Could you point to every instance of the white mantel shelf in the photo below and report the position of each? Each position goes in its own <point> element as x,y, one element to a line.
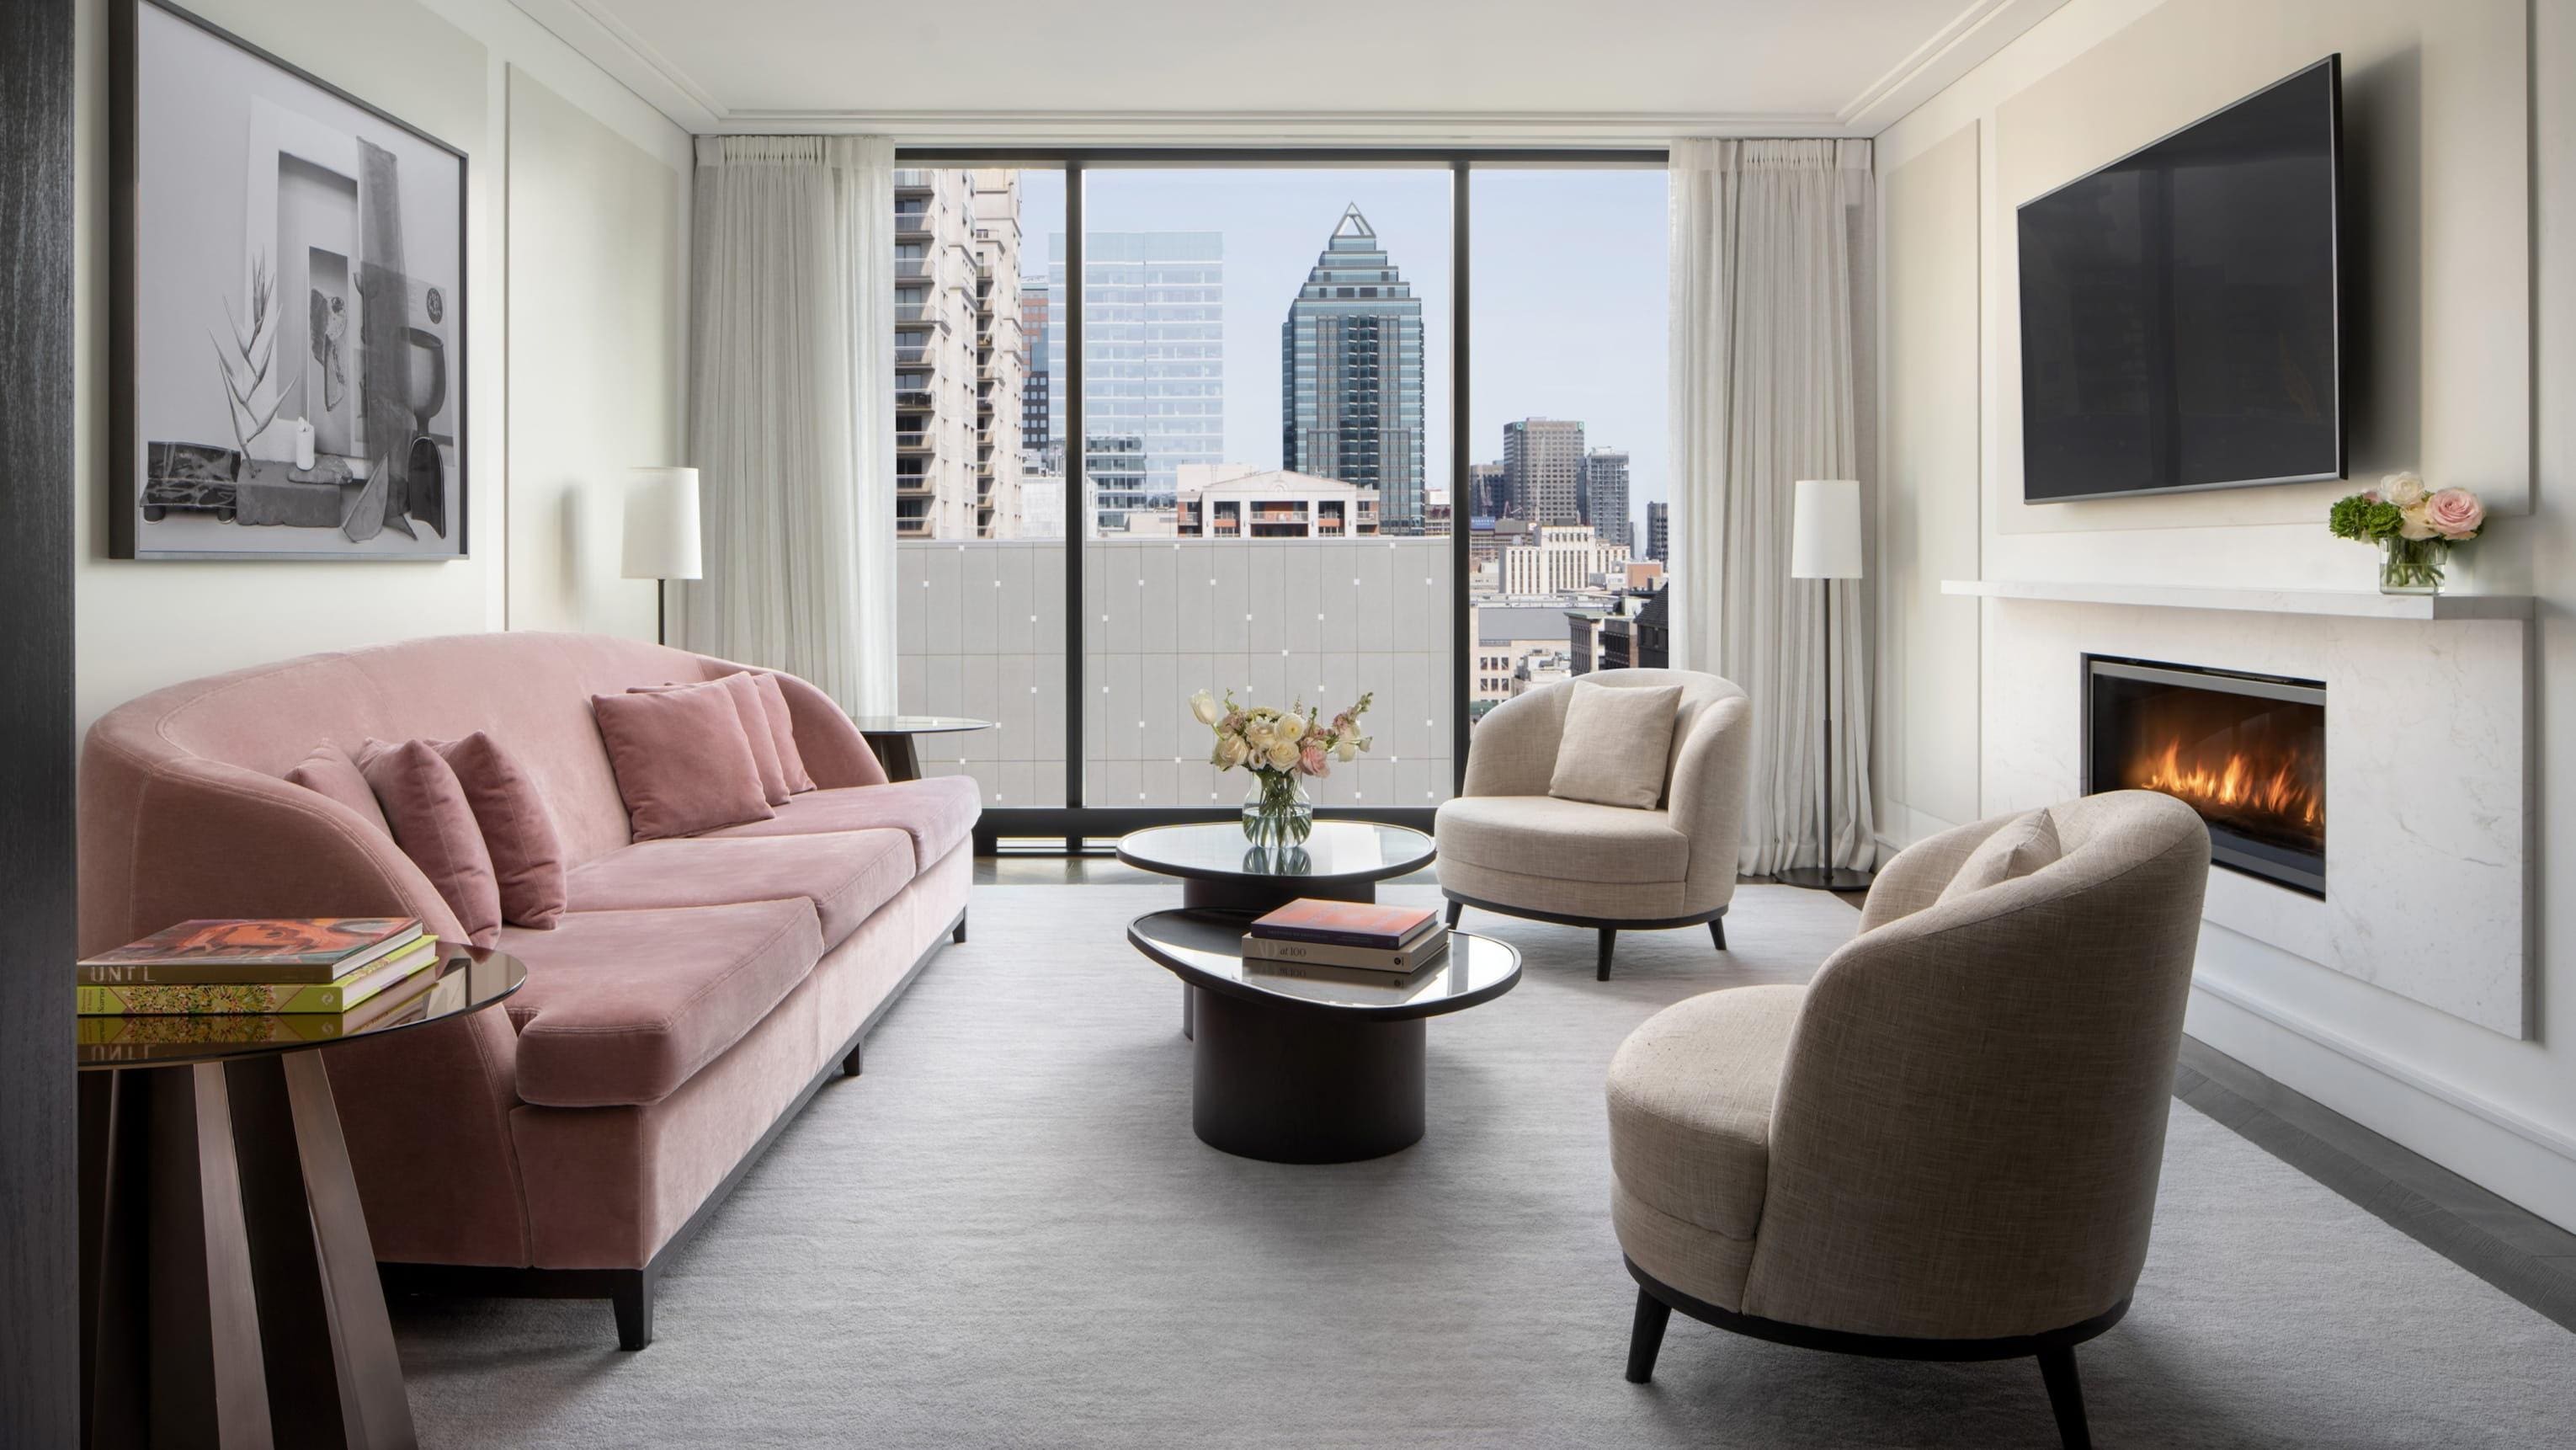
<point>2347,604</point>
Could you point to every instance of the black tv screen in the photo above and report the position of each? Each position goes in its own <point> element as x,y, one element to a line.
<point>2180,317</point>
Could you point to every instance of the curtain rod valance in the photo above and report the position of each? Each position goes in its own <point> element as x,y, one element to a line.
<point>786,150</point>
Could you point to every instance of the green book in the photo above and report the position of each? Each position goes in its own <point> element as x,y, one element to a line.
<point>142,999</point>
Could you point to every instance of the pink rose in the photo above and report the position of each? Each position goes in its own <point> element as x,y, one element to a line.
<point>2455,513</point>
<point>1311,760</point>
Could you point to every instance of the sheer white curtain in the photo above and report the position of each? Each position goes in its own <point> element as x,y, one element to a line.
<point>1770,362</point>
<point>791,411</point>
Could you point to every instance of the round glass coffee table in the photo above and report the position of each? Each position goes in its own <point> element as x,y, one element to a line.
<point>1220,869</point>
<point>1296,1064</point>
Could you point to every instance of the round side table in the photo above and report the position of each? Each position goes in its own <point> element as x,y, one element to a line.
<point>891,737</point>
<point>225,1265</point>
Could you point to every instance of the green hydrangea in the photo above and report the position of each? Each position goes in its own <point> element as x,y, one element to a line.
<point>2363,518</point>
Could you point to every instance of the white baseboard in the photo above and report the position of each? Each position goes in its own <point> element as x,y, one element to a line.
<point>2489,1144</point>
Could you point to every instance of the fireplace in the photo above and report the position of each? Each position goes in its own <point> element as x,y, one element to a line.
<point>2246,751</point>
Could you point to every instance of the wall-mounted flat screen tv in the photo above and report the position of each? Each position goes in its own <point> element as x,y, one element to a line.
<point>2181,320</point>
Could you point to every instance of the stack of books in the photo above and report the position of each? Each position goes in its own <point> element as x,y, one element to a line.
<point>267,980</point>
<point>1346,938</point>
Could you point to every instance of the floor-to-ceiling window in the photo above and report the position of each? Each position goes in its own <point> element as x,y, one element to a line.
<point>1266,352</point>
<point>980,497</point>
<point>1567,436</point>
<point>1225,441</point>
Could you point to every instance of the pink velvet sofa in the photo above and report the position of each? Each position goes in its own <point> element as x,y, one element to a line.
<point>696,993</point>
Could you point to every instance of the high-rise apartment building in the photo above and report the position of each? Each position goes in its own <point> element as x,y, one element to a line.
<point>960,362</point>
<point>1118,469</point>
<point>1037,394</point>
<point>1602,498</point>
<point>1350,375</point>
<point>1153,342</point>
<point>1543,470</point>
<point>1659,539</point>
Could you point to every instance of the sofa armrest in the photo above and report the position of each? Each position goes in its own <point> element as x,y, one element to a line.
<point>166,839</point>
<point>836,754</point>
<point>1913,879</point>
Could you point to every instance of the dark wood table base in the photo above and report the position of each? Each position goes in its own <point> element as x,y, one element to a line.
<point>228,1288</point>
<point>1291,1086</point>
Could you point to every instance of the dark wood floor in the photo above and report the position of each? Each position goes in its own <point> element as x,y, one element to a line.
<point>2509,1247</point>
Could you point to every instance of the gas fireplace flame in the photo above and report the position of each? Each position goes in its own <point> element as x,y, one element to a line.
<point>2237,785</point>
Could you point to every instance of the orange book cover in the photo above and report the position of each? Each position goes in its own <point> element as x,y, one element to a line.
<point>1345,923</point>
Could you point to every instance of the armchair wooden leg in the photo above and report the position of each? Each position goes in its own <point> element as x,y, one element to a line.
<point>1717,931</point>
<point>1646,1336</point>
<point>1609,937</point>
<point>1457,909</point>
<point>2065,1396</point>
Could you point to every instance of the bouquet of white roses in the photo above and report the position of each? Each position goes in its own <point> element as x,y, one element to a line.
<point>1273,742</point>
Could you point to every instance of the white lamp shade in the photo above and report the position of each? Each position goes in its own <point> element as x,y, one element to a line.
<point>662,524</point>
<point>1824,529</point>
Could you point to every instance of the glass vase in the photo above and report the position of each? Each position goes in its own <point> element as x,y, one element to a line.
<point>1277,811</point>
<point>2412,566</point>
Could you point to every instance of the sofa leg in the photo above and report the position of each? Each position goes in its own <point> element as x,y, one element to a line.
<point>633,1300</point>
<point>1647,1336</point>
<point>1609,938</point>
<point>850,1065</point>
<point>1457,909</point>
<point>1717,931</point>
<point>2066,1397</point>
<point>958,935</point>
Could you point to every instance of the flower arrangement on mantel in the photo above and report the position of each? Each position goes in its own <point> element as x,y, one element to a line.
<point>1279,747</point>
<point>2413,526</point>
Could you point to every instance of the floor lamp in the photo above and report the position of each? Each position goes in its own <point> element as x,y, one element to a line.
<point>662,535</point>
<point>1824,544</point>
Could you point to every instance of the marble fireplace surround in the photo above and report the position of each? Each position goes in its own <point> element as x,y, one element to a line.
<point>2428,880</point>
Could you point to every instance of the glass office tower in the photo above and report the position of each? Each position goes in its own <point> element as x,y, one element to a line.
<point>1350,362</point>
<point>1153,352</point>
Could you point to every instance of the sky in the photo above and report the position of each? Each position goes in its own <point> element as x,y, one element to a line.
<point>1568,296</point>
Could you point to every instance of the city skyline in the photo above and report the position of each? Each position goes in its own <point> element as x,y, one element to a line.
<point>1569,302</point>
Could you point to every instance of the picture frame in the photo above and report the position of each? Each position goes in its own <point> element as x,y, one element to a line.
<point>289,342</point>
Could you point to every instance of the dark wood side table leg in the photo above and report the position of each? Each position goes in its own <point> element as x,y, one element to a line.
<point>175,1347</point>
<point>896,754</point>
<point>322,1306</point>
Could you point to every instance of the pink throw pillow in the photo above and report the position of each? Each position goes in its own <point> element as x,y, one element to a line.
<point>518,831</point>
<point>782,729</point>
<point>755,727</point>
<point>435,827</point>
<point>682,760</point>
<point>329,771</point>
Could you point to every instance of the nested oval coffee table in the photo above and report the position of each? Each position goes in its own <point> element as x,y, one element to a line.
<point>1221,869</point>
<point>1310,1068</point>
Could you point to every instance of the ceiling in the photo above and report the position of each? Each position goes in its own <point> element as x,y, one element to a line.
<point>1546,72</point>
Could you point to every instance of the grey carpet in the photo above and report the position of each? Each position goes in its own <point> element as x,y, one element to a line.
<point>1006,1235</point>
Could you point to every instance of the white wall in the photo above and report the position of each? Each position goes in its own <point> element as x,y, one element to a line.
<point>598,317</point>
<point>143,625</point>
<point>2475,221</point>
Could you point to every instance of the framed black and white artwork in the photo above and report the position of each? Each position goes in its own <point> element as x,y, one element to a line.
<point>288,366</point>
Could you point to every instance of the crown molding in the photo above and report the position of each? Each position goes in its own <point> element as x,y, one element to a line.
<point>1970,37</point>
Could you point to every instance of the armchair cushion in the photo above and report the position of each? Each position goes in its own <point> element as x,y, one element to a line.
<point>2023,845</point>
<point>1616,744</point>
<point>1690,1127</point>
<point>1543,836</point>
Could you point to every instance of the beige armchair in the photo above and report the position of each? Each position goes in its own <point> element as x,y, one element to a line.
<point>1946,1145</point>
<point>1506,845</point>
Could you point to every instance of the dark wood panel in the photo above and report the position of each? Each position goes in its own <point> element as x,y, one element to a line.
<point>39,1290</point>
